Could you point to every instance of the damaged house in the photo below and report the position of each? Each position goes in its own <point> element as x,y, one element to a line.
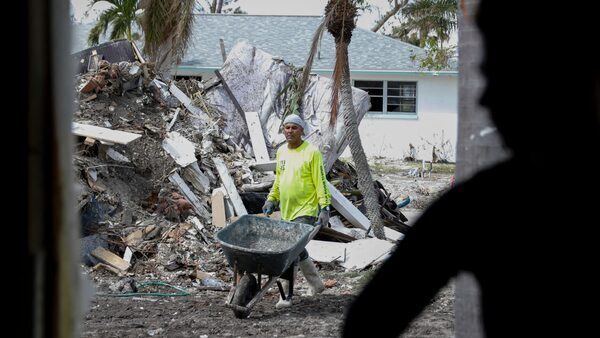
<point>411,110</point>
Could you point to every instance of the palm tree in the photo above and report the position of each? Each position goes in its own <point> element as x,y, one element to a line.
<point>340,24</point>
<point>167,28</point>
<point>339,21</point>
<point>427,17</point>
<point>121,16</point>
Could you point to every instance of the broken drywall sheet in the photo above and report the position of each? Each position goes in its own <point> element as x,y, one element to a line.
<point>363,252</point>
<point>180,148</point>
<point>256,78</point>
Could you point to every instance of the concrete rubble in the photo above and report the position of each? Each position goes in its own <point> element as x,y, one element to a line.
<point>150,201</point>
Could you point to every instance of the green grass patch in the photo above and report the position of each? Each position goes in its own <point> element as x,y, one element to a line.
<point>382,168</point>
<point>438,168</point>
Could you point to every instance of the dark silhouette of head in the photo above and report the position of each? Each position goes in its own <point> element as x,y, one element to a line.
<point>542,70</point>
<point>532,259</point>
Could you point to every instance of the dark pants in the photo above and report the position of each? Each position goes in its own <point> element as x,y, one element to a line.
<point>306,220</point>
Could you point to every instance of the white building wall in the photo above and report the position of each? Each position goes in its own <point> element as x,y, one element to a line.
<point>435,123</point>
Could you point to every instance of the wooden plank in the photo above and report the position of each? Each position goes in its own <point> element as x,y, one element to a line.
<point>89,141</point>
<point>218,208</point>
<point>137,52</point>
<point>257,137</point>
<point>264,166</point>
<point>187,102</point>
<point>229,211</point>
<point>170,125</point>
<point>104,134</point>
<point>229,185</point>
<point>347,209</point>
<point>196,177</point>
<point>336,235</point>
<point>355,216</point>
<point>110,258</point>
<point>127,255</point>
<point>235,102</point>
<point>185,190</point>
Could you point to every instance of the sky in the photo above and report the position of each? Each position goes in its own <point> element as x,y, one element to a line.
<point>259,7</point>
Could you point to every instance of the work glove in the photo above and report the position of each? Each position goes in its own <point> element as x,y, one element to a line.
<point>323,218</point>
<point>269,207</point>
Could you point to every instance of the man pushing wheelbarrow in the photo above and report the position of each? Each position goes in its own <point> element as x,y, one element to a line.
<point>255,246</point>
<point>301,191</point>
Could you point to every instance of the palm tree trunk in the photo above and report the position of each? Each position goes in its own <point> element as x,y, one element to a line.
<point>365,181</point>
<point>164,60</point>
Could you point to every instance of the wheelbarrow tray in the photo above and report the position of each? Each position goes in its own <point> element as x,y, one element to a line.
<point>263,245</point>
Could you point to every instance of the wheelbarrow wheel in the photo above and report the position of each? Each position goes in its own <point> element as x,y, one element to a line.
<point>245,291</point>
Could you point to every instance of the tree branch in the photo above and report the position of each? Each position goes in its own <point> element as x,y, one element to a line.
<point>389,14</point>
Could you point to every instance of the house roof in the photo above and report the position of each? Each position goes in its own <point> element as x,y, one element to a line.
<point>289,37</point>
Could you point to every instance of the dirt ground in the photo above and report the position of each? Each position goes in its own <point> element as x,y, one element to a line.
<point>204,314</point>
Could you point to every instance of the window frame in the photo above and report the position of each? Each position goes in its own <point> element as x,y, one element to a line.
<point>389,114</point>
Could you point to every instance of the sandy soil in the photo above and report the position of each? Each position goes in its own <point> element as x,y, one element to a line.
<point>204,314</point>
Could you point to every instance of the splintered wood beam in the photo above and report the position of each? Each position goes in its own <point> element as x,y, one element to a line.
<point>230,187</point>
<point>347,209</point>
<point>264,166</point>
<point>257,137</point>
<point>187,102</point>
<point>104,134</point>
<point>189,194</point>
<point>110,258</point>
<point>197,178</point>
<point>219,219</point>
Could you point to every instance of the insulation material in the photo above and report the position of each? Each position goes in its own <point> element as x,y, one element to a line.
<point>256,78</point>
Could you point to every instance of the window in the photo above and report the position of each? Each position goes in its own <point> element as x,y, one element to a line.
<point>390,97</point>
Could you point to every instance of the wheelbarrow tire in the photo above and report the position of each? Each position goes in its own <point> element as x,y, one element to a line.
<point>245,291</point>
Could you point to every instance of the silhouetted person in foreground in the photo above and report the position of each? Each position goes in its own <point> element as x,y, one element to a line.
<point>524,228</point>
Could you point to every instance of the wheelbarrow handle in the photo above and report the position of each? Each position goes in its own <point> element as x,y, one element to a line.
<point>314,232</point>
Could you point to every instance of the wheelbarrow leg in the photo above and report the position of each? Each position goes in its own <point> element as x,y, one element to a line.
<point>289,276</point>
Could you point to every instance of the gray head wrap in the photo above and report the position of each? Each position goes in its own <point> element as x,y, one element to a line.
<point>295,119</point>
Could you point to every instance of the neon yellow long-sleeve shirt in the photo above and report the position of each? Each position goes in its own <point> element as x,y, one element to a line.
<point>300,183</point>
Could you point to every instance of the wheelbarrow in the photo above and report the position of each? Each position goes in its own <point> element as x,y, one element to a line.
<point>258,246</point>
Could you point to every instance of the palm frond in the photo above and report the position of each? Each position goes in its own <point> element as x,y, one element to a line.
<point>185,20</point>
<point>167,24</point>
<point>341,59</point>
<point>101,27</point>
<point>121,15</point>
<point>154,23</point>
<point>311,55</point>
<point>341,23</point>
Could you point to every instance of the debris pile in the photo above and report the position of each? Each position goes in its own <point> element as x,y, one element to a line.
<point>158,176</point>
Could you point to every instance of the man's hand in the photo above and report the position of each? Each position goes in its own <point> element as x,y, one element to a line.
<point>323,218</point>
<point>269,207</point>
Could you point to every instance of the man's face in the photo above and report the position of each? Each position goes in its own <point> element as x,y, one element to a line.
<point>292,132</point>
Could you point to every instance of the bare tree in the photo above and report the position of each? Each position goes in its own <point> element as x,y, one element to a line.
<point>396,7</point>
